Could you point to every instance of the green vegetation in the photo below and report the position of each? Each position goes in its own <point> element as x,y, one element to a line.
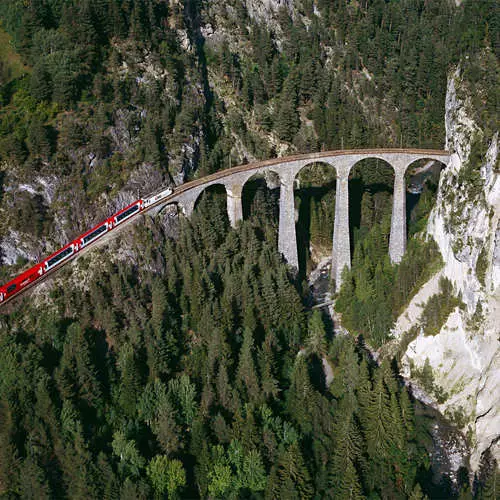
<point>192,369</point>
<point>169,377</point>
<point>439,307</point>
<point>374,291</point>
<point>11,65</point>
<point>482,264</point>
<point>425,376</point>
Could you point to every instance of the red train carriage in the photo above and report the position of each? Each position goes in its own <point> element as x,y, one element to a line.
<point>61,255</point>
<point>127,212</point>
<point>36,272</point>
<point>93,234</point>
<point>19,282</point>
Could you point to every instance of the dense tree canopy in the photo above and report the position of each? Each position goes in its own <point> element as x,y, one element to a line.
<point>182,363</point>
<point>169,377</point>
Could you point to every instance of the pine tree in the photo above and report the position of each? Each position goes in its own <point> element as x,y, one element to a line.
<point>407,414</point>
<point>130,381</point>
<point>38,140</point>
<point>378,432</point>
<point>220,476</point>
<point>253,473</point>
<point>287,121</point>
<point>41,82</point>
<point>300,395</point>
<point>343,477</point>
<point>131,461</point>
<point>153,398</point>
<point>316,339</point>
<point>106,479</point>
<point>183,393</point>
<point>269,383</point>
<point>363,391</point>
<point>290,479</point>
<point>166,476</point>
<point>224,390</point>
<point>367,211</point>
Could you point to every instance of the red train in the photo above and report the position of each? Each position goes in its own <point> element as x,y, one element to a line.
<point>56,259</point>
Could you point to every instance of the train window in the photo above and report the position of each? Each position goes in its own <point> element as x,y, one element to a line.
<point>11,288</point>
<point>127,213</point>
<point>60,256</point>
<point>95,234</point>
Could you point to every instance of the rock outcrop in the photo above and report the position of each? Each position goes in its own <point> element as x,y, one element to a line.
<point>465,355</point>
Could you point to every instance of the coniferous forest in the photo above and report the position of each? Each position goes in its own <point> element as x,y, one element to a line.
<point>182,360</point>
<point>172,378</point>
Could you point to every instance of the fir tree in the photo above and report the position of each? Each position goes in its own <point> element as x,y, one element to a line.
<point>246,367</point>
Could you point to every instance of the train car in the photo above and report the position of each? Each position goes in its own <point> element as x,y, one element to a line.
<point>157,197</point>
<point>127,212</point>
<point>93,234</point>
<point>19,282</point>
<point>60,256</point>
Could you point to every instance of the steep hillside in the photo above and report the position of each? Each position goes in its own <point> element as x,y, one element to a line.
<point>144,93</point>
<point>458,364</point>
<point>180,359</point>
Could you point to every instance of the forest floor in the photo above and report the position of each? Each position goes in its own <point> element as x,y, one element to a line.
<point>13,66</point>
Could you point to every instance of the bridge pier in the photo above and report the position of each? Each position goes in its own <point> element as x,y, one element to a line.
<point>397,240</point>
<point>234,204</point>
<point>341,248</point>
<point>287,240</point>
<point>187,207</point>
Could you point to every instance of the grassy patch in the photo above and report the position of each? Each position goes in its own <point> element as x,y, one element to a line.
<point>425,376</point>
<point>482,265</point>
<point>11,66</point>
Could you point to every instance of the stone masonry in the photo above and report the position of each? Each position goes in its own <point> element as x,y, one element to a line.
<point>287,169</point>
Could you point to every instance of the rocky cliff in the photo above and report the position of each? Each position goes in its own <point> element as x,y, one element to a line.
<point>463,360</point>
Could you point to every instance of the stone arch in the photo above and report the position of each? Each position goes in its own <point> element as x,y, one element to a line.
<point>371,186</point>
<point>215,187</point>
<point>311,162</point>
<point>268,179</point>
<point>169,209</point>
<point>314,195</point>
<point>215,197</point>
<point>424,163</point>
<point>384,158</point>
<point>422,177</point>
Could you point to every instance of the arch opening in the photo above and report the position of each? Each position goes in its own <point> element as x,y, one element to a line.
<point>364,299</point>
<point>371,185</point>
<point>211,206</point>
<point>315,189</point>
<point>170,210</point>
<point>260,199</point>
<point>211,194</point>
<point>422,181</point>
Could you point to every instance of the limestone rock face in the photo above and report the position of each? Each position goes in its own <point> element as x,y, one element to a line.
<point>265,9</point>
<point>465,355</point>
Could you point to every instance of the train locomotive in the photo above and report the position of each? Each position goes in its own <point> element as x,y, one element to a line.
<point>62,255</point>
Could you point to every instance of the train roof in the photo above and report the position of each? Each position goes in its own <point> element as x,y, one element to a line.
<point>92,229</point>
<point>126,208</point>
<point>21,277</point>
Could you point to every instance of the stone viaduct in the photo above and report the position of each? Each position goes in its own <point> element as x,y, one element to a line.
<point>287,169</point>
